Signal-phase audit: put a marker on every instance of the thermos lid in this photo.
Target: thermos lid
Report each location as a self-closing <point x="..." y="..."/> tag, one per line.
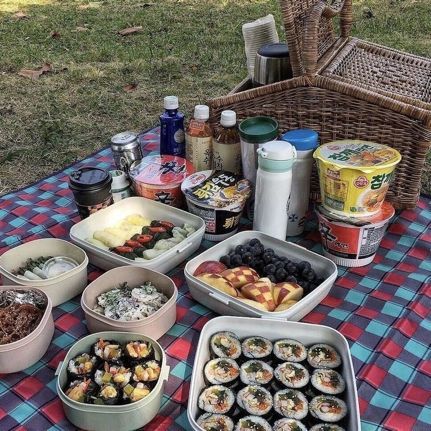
<point x="170" y="102"/>
<point x="274" y="50"/>
<point x="228" y="118"/>
<point x="124" y="138"/>
<point x="202" y="112"/>
<point x="277" y="150"/>
<point x="119" y="180"/>
<point x="258" y="130"/>
<point x="89" y="178"/>
<point x="302" y="139"/>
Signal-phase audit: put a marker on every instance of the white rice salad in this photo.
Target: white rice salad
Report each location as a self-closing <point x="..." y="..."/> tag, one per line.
<point x="125" y="303"/>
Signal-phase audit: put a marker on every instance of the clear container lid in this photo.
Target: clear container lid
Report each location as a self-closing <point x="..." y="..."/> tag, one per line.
<point x="58" y="265"/>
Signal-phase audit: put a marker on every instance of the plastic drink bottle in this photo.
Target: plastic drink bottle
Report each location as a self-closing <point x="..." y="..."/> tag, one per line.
<point x="172" y="139"/>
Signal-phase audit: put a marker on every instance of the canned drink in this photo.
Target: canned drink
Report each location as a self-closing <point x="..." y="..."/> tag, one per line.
<point x="125" y="150"/>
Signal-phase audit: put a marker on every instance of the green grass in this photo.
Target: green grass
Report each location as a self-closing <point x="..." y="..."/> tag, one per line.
<point x="191" y="48"/>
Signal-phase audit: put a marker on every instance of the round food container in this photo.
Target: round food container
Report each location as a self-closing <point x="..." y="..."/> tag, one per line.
<point x="355" y="176"/>
<point x="351" y="241"/>
<point x="159" y="178"/>
<point x="91" y="187"/>
<point x="218" y="197"/>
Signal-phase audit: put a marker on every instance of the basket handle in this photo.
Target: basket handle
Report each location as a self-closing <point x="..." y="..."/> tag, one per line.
<point x="311" y="32"/>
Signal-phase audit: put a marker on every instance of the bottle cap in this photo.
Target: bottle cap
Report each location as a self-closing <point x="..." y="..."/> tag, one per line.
<point x="119" y="180"/>
<point x="277" y="150"/>
<point x="170" y="102"/>
<point x="202" y="112"/>
<point x="302" y="139"/>
<point x="228" y="118"/>
<point x="258" y="130"/>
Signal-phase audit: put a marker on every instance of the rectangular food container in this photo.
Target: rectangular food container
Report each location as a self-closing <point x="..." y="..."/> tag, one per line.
<point x="24" y="353"/>
<point x="246" y="327"/>
<point x="103" y="417"/>
<point x="149" y="209"/>
<point x="155" y="325"/>
<point x="61" y="288"/>
<point x="224" y="304"/>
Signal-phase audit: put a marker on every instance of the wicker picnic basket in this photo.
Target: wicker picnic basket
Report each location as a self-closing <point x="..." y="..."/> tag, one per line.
<point x="315" y="48"/>
<point x="338" y="110"/>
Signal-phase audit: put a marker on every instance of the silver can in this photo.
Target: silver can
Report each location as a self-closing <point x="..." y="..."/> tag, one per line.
<point x="126" y="150"/>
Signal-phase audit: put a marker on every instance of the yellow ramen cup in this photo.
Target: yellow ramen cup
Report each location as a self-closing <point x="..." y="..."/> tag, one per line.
<point x="355" y="176"/>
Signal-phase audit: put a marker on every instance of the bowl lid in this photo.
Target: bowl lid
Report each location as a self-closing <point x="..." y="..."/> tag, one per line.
<point x="161" y="170"/>
<point x="88" y="178"/>
<point x="358" y="154"/>
<point x="302" y="139"/>
<point x="258" y="130"/>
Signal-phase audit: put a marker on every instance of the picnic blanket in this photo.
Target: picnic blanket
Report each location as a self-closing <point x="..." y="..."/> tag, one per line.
<point x="383" y="309"/>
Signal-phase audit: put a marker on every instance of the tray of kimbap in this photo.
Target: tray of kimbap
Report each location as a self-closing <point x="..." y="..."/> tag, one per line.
<point x="257" y="375"/>
<point x="112" y="380"/>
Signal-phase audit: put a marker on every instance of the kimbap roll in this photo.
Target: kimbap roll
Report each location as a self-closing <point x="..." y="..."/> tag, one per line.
<point x="327" y="408"/>
<point x="135" y="391"/>
<point x="291" y="404"/>
<point x="221" y="371"/>
<point x="215" y="422"/>
<point x="289" y="350"/>
<point x="292" y="375"/>
<point x="323" y="356"/>
<point x="80" y="390"/>
<point x="256" y="348"/>
<point x="138" y="351"/>
<point x="256" y="372"/>
<point x="108" y="394"/>
<point x="108" y="350"/>
<point x="253" y="423"/>
<point x="216" y="399"/>
<point x="147" y="372"/>
<point x="82" y="366"/>
<point x="255" y="400"/>
<point x="225" y="345"/>
<point x="286" y="424"/>
<point x="328" y="381"/>
<point x="112" y="374"/>
<point x="326" y="427"/>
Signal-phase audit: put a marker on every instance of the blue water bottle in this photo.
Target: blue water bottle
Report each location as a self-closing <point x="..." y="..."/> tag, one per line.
<point x="172" y="138"/>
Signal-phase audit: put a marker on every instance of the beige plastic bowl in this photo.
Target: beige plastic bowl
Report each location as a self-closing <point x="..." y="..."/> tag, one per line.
<point x="59" y="289"/>
<point x="122" y="417"/>
<point x="155" y="325"/>
<point x="26" y="352"/>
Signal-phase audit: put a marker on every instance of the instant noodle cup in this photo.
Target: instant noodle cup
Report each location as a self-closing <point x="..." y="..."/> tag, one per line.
<point x="218" y="197"/>
<point x="355" y="176"/>
<point x="159" y="178"/>
<point x="350" y="241"/>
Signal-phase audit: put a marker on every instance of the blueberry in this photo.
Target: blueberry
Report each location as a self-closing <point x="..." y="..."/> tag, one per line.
<point x="272" y="278"/>
<point x="279" y="264"/>
<point x="231" y="253"/>
<point x="280" y="275"/>
<point x="236" y="260"/>
<point x="239" y="249"/>
<point x="306" y="286"/>
<point x="247" y="258"/>
<point x="283" y="259"/>
<point x="270" y="251"/>
<point x="308" y="275"/>
<point x="225" y="260"/>
<point x="269" y="269"/>
<point x="291" y="279"/>
<point x="303" y="265"/>
<point x="254" y="242"/>
<point x="267" y="258"/>
<point x="290" y="267"/>
<point x="256" y="250"/>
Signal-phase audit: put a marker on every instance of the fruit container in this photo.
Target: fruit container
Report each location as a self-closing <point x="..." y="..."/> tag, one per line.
<point x="306" y="333"/>
<point x="60" y="288"/>
<point x="155" y="325"/>
<point x="108" y="217"/>
<point x="24" y="353"/>
<point x="225" y="304"/>
<point x="125" y="417"/>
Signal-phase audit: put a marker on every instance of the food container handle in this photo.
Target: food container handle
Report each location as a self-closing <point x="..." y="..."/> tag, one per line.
<point x="184" y="248"/>
<point x="219" y="298"/>
<point x="57" y="371"/>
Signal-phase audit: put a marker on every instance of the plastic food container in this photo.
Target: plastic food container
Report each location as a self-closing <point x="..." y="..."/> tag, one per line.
<point x="224" y="304"/>
<point x="159" y="178"/>
<point x="350" y="241"/>
<point x="102" y="417"/>
<point x="355" y="176"/>
<point x="219" y="198"/>
<point x="304" y="332"/>
<point x="150" y="209"/>
<point x="155" y="325"/>
<point x="60" y="288"/>
<point x="24" y="353"/>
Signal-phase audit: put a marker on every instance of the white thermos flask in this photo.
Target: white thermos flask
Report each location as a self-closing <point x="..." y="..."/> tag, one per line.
<point x="273" y="184"/>
<point x="305" y="141"/>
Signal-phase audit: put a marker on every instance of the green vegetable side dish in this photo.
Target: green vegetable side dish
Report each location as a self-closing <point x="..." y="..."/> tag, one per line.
<point x="32" y="269"/>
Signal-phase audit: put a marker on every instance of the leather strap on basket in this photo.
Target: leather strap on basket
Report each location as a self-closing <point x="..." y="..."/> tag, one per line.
<point x="312" y="36"/>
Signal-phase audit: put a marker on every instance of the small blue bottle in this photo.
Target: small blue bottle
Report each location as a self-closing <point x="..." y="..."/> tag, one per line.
<point x="172" y="137"/>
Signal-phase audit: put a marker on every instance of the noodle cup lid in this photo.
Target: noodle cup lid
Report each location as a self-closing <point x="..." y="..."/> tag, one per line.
<point x="161" y="170"/>
<point x="218" y="189"/>
<point x="385" y="213"/>
<point x="357" y="154"/>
